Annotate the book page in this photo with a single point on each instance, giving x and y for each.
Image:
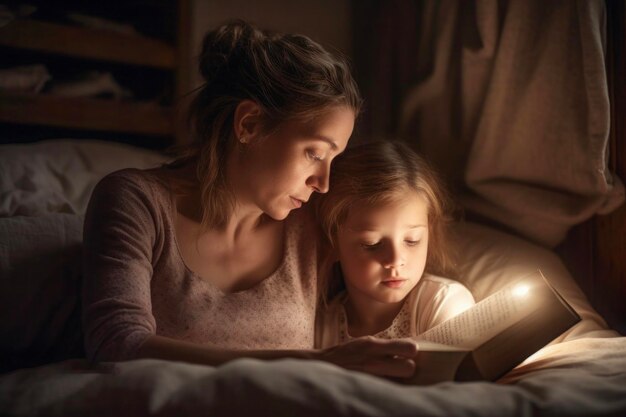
(502, 330)
(483, 321)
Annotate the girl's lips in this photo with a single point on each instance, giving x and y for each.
(394, 283)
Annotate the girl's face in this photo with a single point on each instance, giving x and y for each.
(383, 249)
(285, 168)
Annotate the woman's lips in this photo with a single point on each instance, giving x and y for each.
(296, 203)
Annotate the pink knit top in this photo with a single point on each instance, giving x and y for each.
(136, 283)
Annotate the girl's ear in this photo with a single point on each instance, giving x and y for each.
(247, 123)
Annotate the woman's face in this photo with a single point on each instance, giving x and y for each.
(383, 249)
(286, 167)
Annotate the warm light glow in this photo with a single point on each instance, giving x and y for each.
(521, 290)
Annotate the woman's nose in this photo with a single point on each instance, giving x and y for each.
(320, 180)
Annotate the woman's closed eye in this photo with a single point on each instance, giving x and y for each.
(315, 156)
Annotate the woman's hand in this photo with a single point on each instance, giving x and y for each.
(381, 357)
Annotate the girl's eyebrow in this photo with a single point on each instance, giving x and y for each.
(369, 228)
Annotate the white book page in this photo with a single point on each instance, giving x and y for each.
(483, 321)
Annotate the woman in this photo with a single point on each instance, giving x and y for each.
(211, 258)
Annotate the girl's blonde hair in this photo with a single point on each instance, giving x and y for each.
(379, 172)
(289, 76)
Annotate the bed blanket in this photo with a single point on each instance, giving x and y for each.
(584, 377)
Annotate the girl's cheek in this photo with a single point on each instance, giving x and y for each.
(369, 263)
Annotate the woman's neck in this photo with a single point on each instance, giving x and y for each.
(242, 220)
(367, 317)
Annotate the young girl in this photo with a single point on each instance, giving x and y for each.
(385, 218)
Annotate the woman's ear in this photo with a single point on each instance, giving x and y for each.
(247, 123)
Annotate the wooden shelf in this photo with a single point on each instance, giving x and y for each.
(149, 66)
(87, 113)
(87, 43)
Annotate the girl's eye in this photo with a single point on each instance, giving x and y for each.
(370, 246)
(411, 242)
(314, 156)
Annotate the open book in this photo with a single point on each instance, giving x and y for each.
(495, 335)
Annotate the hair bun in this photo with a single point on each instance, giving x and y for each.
(221, 46)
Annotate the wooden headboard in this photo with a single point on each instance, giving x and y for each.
(595, 251)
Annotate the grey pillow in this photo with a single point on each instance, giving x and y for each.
(57, 176)
(40, 280)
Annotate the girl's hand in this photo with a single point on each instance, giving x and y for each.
(381, 357)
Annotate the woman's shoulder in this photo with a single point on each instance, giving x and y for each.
(131, 191)
(132, 181)
(131, 178)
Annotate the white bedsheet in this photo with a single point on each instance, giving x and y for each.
(584, 377)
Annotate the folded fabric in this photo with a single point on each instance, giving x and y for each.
(91, 84)
(24, 79)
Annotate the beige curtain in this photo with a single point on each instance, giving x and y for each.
(510, 102)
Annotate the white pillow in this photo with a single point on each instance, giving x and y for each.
(489, 259)
(57, 176)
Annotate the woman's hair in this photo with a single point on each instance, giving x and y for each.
(380, 172)
(289, 76)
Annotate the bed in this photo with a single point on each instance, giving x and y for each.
(44, 188)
